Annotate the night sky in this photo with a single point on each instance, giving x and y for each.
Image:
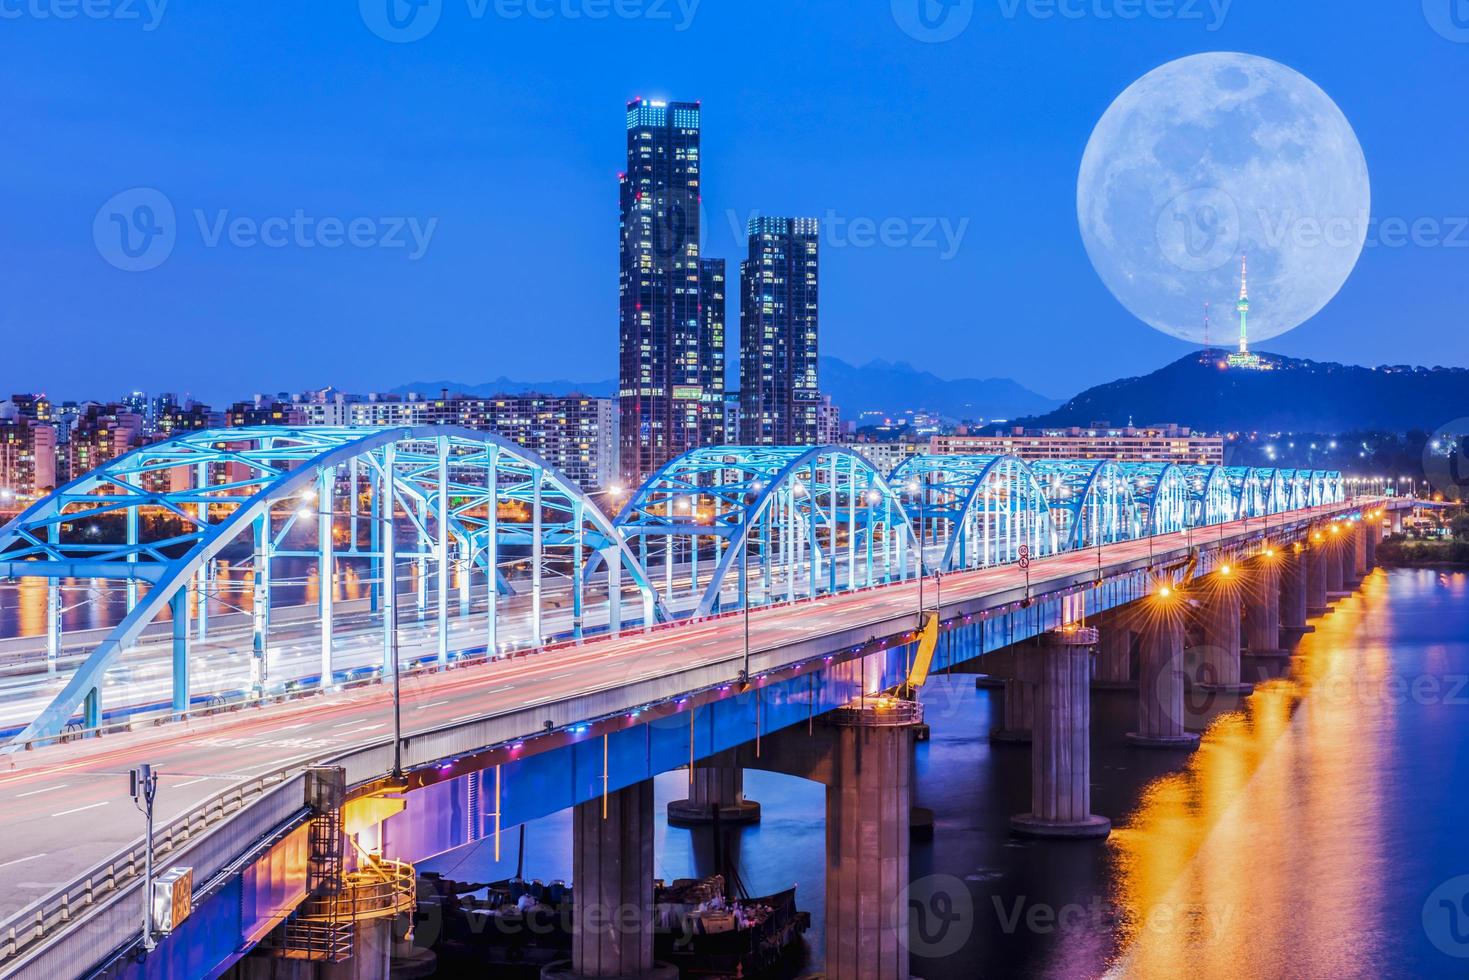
(500, 135)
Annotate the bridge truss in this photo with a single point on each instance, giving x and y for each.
(206, 521)
(257, 560)
(769, 524)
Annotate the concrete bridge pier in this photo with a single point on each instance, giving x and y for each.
(1371, 535)
(1160, 675)
(1114, 652)
(1334, 555)
(612, 898)
(1397, 522)
(1060, 755)
(1293, 607)
(1019, 701)
(1262, 602)
(868, 804)
(1315, 560)
(1220, 668)
(717, 785)
(1359, 550)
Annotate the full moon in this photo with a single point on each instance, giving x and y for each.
(1210, 160)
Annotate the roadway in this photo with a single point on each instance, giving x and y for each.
(65, 807)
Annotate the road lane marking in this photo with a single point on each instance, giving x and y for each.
(194, 781)
(31, 857)
(79, 809)
(48, 789)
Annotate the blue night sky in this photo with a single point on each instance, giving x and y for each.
(508, 133)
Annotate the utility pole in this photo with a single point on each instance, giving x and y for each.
(142, 786)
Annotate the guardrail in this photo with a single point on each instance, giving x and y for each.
(39, 920)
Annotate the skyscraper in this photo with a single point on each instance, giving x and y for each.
(712, 310)
(662, 379)
(780, 402)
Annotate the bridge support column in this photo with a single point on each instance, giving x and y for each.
(1262, 598)
(868, 808)
(1114, 653)
(1220, 666)
(612, 878)
(1358, 547)
(1060, 756)
(1336, 563)
(1371, 534)
(1397, 522)
(178, 611)
(716, 787)
(1019, 702)
(1293, 607)
(1160, 676)
(1315, 560)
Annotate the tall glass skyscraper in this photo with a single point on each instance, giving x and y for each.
(780, 399)
(712, 310)
(662, 369)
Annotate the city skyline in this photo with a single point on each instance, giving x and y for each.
(968, 253)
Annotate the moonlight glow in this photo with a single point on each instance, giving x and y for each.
(1210, 157)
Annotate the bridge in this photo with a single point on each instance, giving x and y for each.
(746, 607)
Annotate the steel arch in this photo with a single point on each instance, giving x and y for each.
(987, 506)
(1091, 501)
(251, 471)
(781, 502)
(1162, 493)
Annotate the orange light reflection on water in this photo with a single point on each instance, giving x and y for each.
(1261, 858)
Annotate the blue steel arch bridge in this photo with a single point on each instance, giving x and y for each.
(428, 545)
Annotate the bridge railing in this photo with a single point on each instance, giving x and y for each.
(44, 918)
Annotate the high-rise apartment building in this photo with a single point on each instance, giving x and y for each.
(780, 398)
(712, 311)
(660, 325)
